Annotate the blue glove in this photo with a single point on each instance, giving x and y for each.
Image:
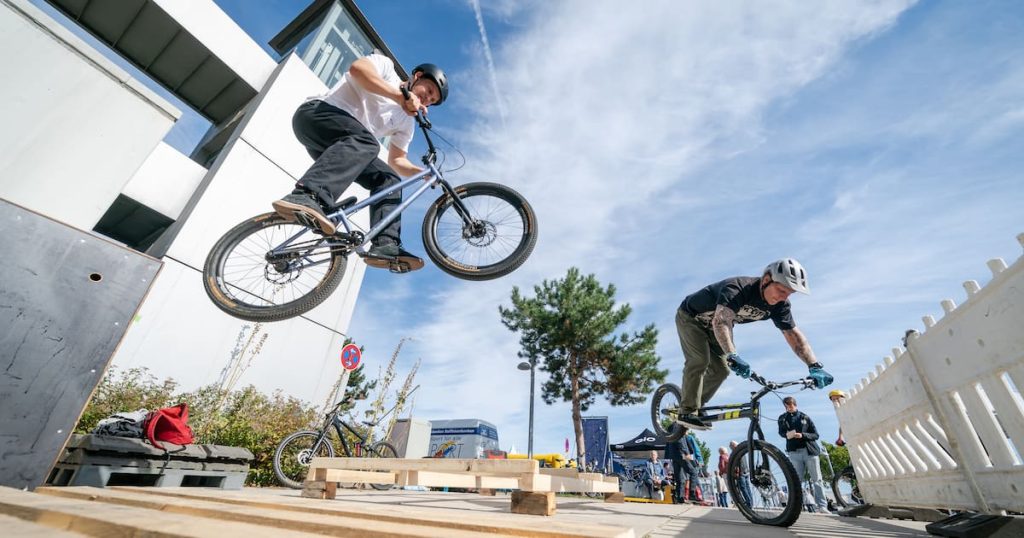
(821, 378)
(738, 365)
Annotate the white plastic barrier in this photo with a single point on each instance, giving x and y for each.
(941, 425)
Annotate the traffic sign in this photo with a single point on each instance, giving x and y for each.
(350, 357)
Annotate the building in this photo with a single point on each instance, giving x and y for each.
(83, 143)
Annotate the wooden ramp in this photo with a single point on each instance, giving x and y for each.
(536, 487)
(199, 512)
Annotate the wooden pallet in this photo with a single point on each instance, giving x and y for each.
(536, 487)
(200, 512)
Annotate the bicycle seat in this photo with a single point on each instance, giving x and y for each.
(345, 204)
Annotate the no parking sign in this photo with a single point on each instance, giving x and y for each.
(350, 357)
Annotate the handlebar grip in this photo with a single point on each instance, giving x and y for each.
(405, 91)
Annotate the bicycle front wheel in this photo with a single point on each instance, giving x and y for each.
(665, 406)
(244, 278)
(497, 239)
(381, 450)
(295, 453)
(844, 486)
(768, 495)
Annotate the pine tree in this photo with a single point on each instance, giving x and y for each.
(567, 331)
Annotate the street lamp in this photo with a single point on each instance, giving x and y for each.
(531, 366)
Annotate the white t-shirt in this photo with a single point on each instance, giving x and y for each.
(380, 115)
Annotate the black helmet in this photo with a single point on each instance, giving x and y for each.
(434, 73)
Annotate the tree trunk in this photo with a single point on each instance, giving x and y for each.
(577, 419)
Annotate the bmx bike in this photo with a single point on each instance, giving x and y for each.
(269, 268)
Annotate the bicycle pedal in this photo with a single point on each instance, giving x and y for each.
(399, 267)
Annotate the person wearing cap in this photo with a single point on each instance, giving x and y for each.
(705, 321)
(837, 396)
(341, 129)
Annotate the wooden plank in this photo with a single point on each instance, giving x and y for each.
(439, 465)
(504, 524)
(455, 480)
(571, 473)
(319, 489)
(274, 520)
(534, 503)
(96, 519)
(561, 484)
(26, 529)
(617, 497)
(362, 477)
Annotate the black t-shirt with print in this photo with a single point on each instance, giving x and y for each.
(741, 294)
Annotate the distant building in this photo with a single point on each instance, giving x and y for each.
(82, 143)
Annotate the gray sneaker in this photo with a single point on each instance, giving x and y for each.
(305, 209)
(693, 422)
(392, 256)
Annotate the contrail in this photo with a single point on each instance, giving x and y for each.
(490, 59)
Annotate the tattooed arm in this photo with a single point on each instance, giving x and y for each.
(722, 324)
(800, 345)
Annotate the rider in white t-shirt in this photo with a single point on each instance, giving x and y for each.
(341, 130)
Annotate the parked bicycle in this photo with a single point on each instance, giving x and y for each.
(844, 486)
(268, 268)
(296, 452)
(771, 475)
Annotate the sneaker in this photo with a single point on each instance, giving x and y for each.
(392, 256)
(693, 422)
(304, 208)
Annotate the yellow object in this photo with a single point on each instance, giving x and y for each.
(836, 393)
(553, 461)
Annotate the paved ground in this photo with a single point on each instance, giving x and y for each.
(654, 520)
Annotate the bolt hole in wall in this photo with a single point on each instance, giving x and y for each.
(95, 277)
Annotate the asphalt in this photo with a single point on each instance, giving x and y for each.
(654, 520)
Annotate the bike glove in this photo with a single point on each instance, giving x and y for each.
(821, 378)
(738, 365)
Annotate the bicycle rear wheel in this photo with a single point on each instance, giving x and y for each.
(295, 453)
(500, 239)
(844, 486)
(381, 450)
(242, 278)
(774, 487)
(665, 404)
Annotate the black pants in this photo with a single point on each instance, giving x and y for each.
(678, 480)
(345, 152)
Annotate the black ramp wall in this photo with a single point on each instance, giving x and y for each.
(66, 299)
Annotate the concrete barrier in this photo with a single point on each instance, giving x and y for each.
(941, 424)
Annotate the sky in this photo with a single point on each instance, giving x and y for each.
(666, 145)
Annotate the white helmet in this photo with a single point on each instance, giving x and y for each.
(789, 273)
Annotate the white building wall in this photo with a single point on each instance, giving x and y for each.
(165, 181)
(179, 333)
(75, 126)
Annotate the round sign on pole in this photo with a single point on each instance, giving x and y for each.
(350, 357)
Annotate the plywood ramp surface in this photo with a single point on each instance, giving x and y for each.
(13, 526)
(97, 519)
(266, 517)
(445, 520)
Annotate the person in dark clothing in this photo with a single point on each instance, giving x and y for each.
(802, 447)
(341, 131)
(674, 451)
(705, 321)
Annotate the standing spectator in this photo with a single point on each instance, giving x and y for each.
(802, 447)
(675, 452)
(654, 477)
(723, 490)
(723, 468)
(744, 481)
(695, 461)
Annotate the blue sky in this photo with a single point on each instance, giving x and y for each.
(668, 145)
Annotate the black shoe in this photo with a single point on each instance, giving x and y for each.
(304, 208)
(392, 256)
(693, 422)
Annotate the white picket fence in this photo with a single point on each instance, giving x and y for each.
(941, 425)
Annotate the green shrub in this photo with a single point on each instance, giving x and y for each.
(244, 418)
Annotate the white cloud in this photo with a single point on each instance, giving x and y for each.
(666, 145)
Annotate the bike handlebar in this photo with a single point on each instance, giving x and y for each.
(420, 118)
(807, 382)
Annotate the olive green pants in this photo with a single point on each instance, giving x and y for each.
(704, 369)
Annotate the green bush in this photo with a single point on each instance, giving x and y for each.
(243, 418)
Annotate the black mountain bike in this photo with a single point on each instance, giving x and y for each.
(844, 486)
(775, 492)
(296, 452)
(269, 268)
